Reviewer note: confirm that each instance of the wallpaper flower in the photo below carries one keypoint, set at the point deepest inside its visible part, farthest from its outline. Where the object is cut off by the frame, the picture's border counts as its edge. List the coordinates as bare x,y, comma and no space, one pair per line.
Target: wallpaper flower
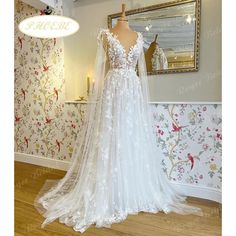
189,135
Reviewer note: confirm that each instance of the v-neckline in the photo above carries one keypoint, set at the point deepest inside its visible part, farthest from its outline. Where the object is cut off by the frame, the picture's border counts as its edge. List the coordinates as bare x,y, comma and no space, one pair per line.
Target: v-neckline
115,36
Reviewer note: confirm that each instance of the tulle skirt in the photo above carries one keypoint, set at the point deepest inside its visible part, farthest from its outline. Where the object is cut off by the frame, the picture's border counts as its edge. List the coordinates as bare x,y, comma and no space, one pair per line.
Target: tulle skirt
118,170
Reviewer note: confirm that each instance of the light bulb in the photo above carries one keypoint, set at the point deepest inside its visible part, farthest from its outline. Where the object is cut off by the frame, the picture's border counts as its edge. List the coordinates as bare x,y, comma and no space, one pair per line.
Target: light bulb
189,19
48,26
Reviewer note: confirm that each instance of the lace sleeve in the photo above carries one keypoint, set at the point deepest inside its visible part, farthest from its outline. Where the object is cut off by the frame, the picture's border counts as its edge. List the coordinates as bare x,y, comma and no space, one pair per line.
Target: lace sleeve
102,39
142,71
49,200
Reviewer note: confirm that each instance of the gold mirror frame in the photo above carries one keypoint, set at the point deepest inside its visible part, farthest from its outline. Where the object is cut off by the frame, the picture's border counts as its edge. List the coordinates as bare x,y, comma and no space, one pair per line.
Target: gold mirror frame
197,31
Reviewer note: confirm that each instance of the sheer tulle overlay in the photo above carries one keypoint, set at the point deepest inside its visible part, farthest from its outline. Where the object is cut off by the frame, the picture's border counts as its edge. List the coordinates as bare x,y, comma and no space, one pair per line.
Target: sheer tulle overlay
116,164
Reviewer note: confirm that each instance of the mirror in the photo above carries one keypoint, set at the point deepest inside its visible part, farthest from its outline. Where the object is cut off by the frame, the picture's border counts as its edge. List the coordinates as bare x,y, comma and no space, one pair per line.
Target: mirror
171,34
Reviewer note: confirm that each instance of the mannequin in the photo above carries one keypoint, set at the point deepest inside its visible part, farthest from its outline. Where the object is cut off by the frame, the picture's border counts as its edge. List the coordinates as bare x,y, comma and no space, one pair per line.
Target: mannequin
149,53
111,174
125,35
155,57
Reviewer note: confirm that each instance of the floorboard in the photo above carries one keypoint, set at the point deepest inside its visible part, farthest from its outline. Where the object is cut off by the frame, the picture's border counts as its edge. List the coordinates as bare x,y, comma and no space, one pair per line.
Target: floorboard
30,178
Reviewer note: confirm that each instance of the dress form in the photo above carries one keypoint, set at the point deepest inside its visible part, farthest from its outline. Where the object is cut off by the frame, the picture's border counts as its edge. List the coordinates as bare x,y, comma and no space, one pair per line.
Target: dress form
115,168
125,35
149,53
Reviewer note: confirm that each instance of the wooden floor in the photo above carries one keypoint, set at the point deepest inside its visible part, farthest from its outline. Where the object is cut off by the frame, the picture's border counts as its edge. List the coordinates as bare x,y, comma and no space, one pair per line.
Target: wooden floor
30,178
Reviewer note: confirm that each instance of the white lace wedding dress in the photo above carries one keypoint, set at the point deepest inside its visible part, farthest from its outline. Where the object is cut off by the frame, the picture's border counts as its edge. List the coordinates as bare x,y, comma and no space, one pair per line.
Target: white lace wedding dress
116,165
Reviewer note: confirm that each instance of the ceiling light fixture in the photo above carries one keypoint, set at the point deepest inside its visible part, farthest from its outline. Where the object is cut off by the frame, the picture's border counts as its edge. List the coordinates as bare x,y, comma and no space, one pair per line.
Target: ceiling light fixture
148,27
48,26
189,19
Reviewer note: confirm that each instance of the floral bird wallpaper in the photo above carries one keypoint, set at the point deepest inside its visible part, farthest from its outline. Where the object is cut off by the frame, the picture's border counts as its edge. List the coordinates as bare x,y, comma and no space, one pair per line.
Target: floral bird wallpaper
189,135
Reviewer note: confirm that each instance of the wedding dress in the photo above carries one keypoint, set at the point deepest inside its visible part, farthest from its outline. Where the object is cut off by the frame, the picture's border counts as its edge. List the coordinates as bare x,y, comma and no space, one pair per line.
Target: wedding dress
159,60
115,168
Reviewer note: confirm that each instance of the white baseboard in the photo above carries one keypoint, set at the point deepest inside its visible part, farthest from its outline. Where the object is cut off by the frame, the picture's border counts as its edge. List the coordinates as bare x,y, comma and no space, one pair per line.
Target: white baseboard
187,189
41,161
198,191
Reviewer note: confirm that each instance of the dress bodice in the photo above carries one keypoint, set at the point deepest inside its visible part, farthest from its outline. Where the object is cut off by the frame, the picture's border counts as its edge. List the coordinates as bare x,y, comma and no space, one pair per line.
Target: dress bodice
117,56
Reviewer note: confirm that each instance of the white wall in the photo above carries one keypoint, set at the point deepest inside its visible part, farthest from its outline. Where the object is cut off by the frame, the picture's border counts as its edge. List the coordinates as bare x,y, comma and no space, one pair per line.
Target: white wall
201,86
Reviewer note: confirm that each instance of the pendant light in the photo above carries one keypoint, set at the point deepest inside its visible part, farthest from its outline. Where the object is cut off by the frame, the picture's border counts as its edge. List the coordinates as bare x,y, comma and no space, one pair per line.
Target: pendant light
48,26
